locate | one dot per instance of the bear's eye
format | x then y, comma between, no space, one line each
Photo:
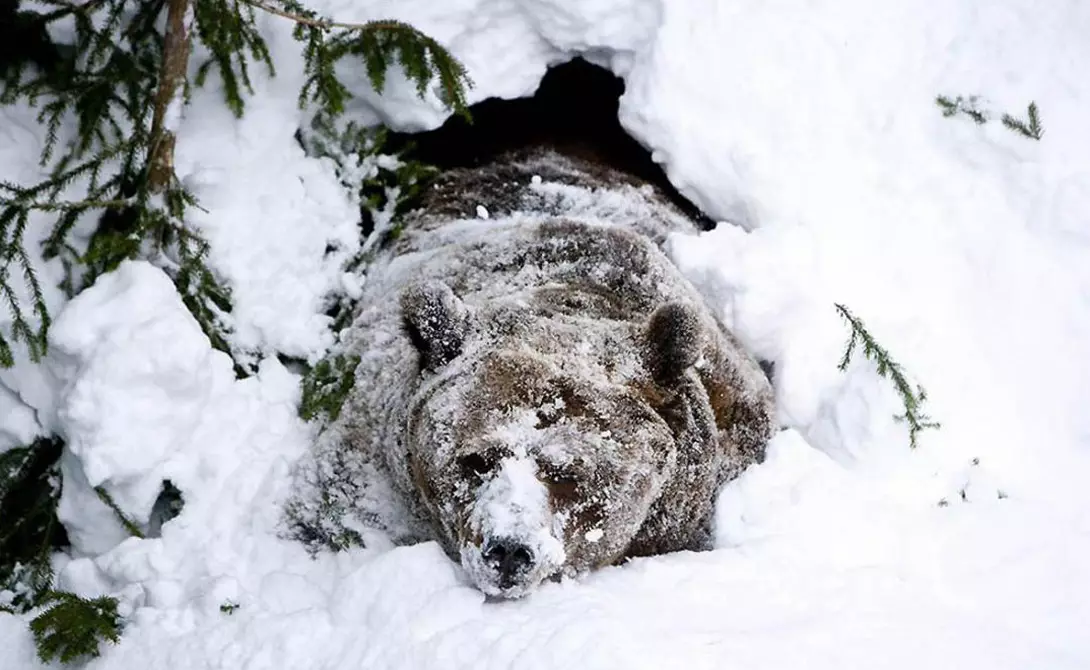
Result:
473,464
561,476
562,483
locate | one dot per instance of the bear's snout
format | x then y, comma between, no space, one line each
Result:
514,540
510,559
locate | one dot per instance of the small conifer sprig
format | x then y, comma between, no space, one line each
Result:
1031,127
71,627
386,184
326,387
912,397
227,29
962,105
123,518
378,44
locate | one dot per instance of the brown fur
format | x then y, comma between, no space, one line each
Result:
574,345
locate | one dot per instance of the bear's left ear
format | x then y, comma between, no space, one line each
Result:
673,340
437,321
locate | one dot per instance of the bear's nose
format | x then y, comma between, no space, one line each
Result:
509,558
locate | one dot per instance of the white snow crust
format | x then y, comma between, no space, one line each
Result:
810,124
515,505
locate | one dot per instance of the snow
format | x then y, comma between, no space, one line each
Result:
514,506
811,125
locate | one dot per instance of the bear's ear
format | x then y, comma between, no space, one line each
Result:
437,321
674,339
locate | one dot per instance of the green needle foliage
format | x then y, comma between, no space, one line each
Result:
106,98
385,185
378,44
30,488
1031,127
71,627
123,518
227,29
912,397
326,386
961,105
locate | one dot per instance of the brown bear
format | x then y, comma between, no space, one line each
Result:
539,388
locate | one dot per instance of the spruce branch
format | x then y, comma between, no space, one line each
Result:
379,44
128,523
226,28
118,86
72,627
30,489
78,205
1031,127
326,387
961,105
912,397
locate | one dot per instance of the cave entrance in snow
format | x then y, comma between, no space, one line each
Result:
573,110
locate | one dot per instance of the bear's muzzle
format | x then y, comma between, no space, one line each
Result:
517,531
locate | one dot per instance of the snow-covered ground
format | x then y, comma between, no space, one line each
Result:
965,248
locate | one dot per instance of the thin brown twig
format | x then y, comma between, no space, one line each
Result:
323,23
79,204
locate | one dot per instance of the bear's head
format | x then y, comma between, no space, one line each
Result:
536,464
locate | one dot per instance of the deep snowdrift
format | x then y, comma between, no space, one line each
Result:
813,124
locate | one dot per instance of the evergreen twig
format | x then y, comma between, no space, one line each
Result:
961,105
128,523
912,397
326,387
30,489
1031,127
72,627
226,28
378,44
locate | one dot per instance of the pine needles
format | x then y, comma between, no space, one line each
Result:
107,100
326,387
961,105
72,627
104,87
227,29
30,532
379,44
112,86
123,518
912,397
1029,128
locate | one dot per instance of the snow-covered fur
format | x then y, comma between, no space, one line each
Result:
541,390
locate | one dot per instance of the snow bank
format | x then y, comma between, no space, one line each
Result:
280,226
813,125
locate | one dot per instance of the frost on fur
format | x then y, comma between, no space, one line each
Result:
541,391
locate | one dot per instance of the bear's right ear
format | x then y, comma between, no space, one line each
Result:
437,321
673,341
